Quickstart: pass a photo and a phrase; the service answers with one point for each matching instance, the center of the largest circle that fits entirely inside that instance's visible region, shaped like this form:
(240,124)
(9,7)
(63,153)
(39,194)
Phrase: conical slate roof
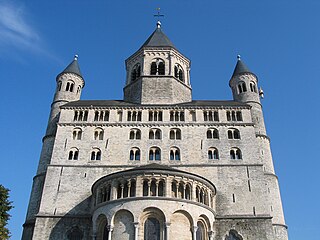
(73,67)
(240,68)
(158,39)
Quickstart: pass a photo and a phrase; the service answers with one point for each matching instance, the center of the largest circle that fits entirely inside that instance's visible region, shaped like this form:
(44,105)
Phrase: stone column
(136,231)
(122,187)
(193,195)
(194,232)
(157,187)
(211,233)
(110,229)
(129,187)
(149,188)
(167,187)
(167,231)
(94,236)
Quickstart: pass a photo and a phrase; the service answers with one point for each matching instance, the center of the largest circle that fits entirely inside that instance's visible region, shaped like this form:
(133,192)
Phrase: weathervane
(158,15)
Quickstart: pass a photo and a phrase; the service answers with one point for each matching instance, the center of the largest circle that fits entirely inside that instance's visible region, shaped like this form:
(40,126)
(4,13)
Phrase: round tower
(244,85)
(69,85)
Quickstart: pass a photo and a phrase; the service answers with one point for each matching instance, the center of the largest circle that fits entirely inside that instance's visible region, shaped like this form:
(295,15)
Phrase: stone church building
(156,165)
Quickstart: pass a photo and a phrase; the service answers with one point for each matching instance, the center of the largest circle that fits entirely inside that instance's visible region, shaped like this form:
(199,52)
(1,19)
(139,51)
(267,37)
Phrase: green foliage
(5,206)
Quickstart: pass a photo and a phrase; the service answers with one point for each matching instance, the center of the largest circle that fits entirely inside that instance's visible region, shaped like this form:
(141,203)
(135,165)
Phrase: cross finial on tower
(158,15)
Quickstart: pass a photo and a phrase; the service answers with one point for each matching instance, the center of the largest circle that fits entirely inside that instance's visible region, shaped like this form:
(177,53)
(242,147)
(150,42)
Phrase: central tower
(157,73)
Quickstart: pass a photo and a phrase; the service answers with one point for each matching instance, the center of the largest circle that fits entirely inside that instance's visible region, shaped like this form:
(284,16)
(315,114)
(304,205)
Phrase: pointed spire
(73,67)
(158,39)
(240,67)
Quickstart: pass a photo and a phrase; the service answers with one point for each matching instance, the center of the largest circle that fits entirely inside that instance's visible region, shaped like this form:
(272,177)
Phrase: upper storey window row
(80,115)
(242,87)
(211,116)
(177,116)
(155,116)
(101,116)
(234,116)
(134,116)
(157,67)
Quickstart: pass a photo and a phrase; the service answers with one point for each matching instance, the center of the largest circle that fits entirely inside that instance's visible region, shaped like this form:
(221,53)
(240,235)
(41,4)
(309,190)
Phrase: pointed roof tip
(73,67)
(158,39)
(240,67)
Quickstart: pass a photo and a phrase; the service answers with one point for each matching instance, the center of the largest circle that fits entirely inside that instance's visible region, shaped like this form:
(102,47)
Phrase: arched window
(70,86)
(177,116)
(77,134)
(98,134)
(235,154)
(234,116)
(135,134)
(75,234)
(233,235)
(155,115)
(212,133)
(233,133)
(201,231)
(175,134)
(155,154)
(79,89)
(101,116)
(152,229)
(155,133)
(134,116)
(242,87)
(175,154)
(213,154)
(157,67)
(178,72)
(73,154)
(135,154)
(135,72)
(59,86)
(96,154)
(253,87)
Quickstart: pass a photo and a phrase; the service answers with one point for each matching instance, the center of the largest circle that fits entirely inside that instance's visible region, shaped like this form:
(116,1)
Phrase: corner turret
(244,86)
(69,85)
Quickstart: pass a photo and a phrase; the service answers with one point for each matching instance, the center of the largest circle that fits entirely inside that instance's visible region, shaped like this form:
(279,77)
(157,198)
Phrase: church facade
(156,165)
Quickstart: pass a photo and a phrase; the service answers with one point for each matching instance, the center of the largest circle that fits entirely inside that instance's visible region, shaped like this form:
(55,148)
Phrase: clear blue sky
(278,40)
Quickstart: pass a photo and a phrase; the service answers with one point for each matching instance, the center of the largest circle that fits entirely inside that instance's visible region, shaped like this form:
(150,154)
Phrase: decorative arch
(157,67)
(233,235)
(181,225)
(122,225)
(75,234)
(135,72)
(178,72)
(102,227)
(153,220)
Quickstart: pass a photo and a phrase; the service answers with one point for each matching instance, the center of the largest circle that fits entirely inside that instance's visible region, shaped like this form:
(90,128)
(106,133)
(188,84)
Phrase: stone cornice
(155,124)
(156,107)
(48,136)
(156,199)
(262,136)
(281,225)
(170,165)
(47,215)
(227,217)
(271,174)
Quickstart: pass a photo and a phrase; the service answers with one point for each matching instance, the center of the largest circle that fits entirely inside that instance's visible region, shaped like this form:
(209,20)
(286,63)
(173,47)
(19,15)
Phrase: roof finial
(76,57)
(239,57)
(158,15)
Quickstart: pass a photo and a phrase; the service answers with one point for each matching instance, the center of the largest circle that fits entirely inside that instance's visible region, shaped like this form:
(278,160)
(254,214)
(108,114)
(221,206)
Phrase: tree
(5,207)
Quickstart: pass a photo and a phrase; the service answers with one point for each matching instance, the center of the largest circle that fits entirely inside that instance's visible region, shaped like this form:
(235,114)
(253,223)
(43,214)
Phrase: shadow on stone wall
(77,222)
